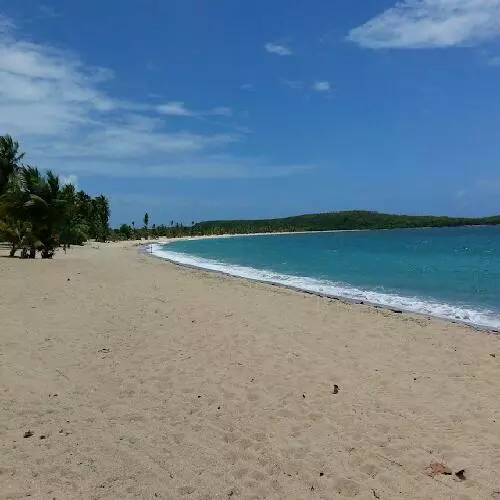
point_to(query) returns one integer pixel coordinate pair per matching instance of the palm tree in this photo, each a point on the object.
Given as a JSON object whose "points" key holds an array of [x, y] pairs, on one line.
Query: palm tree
{"points": [[16, 232], [45, 209], [100, 217], [25, 212], [74, 227], [37, 214], [10, 160]]}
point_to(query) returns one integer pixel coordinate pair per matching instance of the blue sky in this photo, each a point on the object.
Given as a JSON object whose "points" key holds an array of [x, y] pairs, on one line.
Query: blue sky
{"points": [[195, 110]]}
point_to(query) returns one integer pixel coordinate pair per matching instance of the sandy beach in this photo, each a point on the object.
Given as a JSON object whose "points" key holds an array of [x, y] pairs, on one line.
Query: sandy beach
{"points": [[125, 376]]}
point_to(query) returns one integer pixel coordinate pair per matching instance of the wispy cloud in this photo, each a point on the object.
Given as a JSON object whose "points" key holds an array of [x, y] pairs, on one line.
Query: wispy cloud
{"points": [[430, 24], [293, 84], [58, 107], [491, 185], [494, 61], [6, 25], [220, 111], [247, 87], [206, 167], [278, 48], [480, 190], [48, 12], [69, 179], [321, 86], [174, 109], [178, 108]]}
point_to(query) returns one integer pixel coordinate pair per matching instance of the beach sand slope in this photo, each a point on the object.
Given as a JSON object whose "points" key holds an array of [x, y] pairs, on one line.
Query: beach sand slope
{"points": [[134, 378]]}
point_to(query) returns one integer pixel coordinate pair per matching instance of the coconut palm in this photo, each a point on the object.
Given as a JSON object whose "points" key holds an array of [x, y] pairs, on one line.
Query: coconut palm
{"points": [[16, 226], [35, 205], [10, 160], [74, 228], [15, 232], [38, 214], [100, 217]]}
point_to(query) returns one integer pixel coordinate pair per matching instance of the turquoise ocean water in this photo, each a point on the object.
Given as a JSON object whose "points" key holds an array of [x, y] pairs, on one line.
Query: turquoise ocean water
{"points": [[452, 273]]}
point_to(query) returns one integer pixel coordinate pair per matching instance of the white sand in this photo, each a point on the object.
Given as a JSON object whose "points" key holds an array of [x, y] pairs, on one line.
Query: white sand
{"points": [[153, 381]]}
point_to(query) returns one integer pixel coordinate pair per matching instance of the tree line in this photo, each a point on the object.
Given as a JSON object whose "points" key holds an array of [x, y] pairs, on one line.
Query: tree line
{"points": [[135, 232], [38, 214], [346, 220]]}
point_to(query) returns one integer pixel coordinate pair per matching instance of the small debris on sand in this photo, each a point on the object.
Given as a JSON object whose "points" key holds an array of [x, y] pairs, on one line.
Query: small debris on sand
{"points": [[436, 468]]}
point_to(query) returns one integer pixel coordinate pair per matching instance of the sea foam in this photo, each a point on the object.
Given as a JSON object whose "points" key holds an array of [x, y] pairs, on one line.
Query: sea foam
{"points": [[463, 314]]}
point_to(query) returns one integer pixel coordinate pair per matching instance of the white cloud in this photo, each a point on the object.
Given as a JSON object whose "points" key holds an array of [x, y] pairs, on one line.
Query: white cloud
{"points": [[430, 24], [69, 179], [321, 86], [194, 167], [248, 87], [178, 108], [6, 25], [278, 49], [174, 109], [57, 107], [293, 84], [221, 111]]}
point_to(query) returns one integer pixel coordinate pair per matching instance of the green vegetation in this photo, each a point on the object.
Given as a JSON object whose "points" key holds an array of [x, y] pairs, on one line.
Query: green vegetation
{"points": [[130, 232], [38, 214], [313, 222], [337, 221]]}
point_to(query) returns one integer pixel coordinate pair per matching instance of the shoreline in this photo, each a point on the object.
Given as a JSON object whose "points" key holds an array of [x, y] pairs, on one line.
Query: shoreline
{"points": [[341, 298]]}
